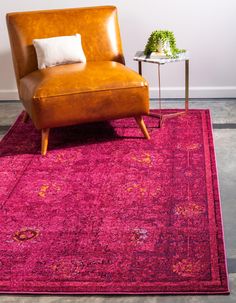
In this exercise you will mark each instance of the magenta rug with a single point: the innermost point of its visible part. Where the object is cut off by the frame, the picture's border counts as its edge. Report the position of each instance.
(107, 212)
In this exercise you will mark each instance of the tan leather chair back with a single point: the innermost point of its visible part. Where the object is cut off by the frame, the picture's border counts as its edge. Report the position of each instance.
(98, 27)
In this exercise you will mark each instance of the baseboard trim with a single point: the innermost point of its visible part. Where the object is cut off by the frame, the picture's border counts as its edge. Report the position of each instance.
(174, 92)
(195, 92)
(9, 94)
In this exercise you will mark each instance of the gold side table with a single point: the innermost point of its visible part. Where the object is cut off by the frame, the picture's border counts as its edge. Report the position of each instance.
(140, 57)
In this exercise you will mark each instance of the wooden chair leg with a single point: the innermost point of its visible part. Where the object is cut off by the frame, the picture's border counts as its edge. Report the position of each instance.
(44, 143)
(25, 117)
(142, 126)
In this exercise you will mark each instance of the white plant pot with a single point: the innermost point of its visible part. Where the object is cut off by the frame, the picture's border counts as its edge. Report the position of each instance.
(161, 47)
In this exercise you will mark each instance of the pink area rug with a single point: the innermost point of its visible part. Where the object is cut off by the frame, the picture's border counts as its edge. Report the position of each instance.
(108, 212)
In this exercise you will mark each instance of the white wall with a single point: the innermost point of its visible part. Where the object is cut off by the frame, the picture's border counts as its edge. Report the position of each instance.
(207, 28)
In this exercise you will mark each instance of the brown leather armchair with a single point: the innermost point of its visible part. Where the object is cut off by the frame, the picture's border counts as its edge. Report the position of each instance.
(101, 89)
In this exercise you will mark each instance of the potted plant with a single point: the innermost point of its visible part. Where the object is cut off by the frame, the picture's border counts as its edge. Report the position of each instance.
(163, 44)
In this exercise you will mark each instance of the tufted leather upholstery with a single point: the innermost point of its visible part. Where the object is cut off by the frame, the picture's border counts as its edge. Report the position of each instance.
(101, 89)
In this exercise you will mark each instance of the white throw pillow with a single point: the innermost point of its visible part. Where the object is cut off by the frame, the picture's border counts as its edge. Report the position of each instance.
(59, 50)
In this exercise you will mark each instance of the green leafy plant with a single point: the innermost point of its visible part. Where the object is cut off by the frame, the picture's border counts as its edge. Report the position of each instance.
(163, 37)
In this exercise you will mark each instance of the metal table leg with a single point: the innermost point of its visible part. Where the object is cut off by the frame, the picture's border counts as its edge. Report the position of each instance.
(161, 116)
(186, 85)
(140, 68)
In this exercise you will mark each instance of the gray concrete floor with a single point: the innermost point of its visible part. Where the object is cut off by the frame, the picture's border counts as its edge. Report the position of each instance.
(224, 125)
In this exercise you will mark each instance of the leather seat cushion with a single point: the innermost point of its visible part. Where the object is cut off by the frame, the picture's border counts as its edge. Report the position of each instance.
(78, 78)
(83, 92)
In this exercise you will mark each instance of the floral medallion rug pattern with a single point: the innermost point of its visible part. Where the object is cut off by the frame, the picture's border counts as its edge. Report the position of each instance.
(107, 211)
